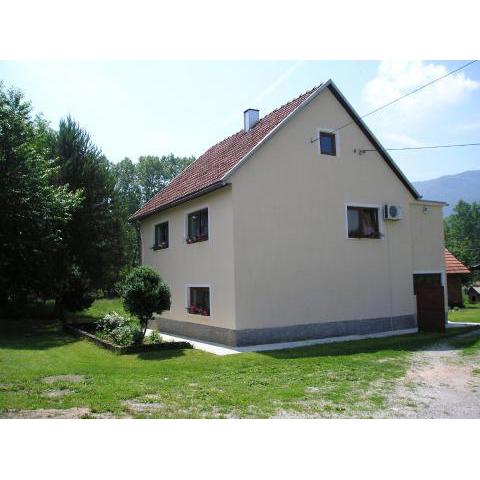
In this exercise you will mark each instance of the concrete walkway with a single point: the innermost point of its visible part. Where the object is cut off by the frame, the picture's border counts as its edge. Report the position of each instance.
(219, 349)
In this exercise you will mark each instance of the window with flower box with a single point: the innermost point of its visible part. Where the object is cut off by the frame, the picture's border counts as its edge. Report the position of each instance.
(197, 224)
(161, 236)
(199, 301)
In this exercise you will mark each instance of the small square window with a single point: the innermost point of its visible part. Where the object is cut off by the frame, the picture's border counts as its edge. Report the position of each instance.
(363, 222)
(198, 226)
(161, 236)
(199, 301)
(327, 143)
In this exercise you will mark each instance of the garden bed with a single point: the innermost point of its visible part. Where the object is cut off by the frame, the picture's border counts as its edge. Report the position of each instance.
(86, 331)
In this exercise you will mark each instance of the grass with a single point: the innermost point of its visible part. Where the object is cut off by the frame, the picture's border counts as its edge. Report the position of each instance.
(471, 313)
(348, 379)
(98, 309)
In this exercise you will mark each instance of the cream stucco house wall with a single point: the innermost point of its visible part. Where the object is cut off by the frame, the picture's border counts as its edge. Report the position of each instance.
(285, 257)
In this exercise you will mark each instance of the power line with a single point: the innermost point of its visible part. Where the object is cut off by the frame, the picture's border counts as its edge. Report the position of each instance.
(422, 148)
(410, 93)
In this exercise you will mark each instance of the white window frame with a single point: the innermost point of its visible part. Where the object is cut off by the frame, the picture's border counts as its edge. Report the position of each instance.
(185, 223)
(365, 205)
(187, 297)
(337, 142)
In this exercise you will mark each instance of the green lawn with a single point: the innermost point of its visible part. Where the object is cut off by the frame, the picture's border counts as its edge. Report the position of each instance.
(346, 379)
(98, 309)
(471, 313)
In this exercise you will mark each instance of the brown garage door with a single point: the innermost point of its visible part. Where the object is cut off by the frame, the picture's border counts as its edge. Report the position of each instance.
(428, 290)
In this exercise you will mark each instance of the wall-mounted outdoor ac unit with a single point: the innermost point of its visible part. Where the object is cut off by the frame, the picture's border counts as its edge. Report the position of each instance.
(392, 212)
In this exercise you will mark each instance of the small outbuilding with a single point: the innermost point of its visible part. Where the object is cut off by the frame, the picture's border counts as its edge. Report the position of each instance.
(474, 294)
(457, 273)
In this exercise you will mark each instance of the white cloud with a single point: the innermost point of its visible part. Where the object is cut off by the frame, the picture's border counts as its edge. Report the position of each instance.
(401, 140)
(395, 79)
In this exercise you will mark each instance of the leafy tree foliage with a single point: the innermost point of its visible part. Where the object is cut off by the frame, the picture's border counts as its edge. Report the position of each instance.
(154, 173)
(144, 293)
(462, 232)
(127, 184)
(34, 212)
(135, 184)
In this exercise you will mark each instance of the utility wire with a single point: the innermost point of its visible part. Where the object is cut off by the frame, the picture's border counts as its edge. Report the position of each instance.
(423, 148)
(410, 93)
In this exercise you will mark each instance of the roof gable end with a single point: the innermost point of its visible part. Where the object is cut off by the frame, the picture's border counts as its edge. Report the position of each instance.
(213, 168)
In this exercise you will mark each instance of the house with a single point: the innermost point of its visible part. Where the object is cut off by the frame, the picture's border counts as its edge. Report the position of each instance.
(474, 294)
(456, 274)
(298, 226)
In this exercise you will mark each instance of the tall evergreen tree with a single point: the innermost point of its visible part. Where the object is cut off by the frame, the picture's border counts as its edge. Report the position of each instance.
(93, 249)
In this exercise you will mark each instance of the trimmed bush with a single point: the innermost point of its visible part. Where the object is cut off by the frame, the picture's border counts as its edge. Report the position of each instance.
(144, 293)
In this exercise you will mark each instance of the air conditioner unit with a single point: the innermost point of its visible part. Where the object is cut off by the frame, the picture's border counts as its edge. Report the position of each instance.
(392, 212)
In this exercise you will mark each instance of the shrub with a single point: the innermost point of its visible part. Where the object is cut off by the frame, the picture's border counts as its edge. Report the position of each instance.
(154, 337)
(111, 321)
(126, 335)
(118, 329)
(144, 293)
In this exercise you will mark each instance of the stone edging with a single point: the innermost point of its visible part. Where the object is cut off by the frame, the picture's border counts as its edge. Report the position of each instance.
(127, 349)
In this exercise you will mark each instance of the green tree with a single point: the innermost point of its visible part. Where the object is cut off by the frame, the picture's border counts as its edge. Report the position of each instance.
(128, 190)
(136, 183)
(34, 212)
(127, 184)
(94, 247)
(154, 172)
(144, 293)
(462, 232)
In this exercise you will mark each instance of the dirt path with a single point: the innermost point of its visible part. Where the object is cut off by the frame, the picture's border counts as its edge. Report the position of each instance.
(441, 383)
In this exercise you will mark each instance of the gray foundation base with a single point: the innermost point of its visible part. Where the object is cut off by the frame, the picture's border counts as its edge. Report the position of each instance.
(258, 336)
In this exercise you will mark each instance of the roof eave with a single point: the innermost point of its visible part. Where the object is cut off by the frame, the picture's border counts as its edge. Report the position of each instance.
(434, 202)
(186, 198)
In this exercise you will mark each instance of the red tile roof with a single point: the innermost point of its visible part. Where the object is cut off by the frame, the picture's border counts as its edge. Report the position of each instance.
(208, 170)
(454, 266)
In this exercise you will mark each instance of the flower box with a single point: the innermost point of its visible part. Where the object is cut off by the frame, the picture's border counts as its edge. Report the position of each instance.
(193, 310)
(160, 246)
(197, 238)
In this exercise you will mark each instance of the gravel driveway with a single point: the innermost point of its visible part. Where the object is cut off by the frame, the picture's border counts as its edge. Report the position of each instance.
(441, 383)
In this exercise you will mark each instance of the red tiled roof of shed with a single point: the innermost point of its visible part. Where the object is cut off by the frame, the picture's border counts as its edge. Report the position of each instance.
(454, 266)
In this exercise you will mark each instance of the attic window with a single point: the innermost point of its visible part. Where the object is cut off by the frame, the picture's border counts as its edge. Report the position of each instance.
(327, 143)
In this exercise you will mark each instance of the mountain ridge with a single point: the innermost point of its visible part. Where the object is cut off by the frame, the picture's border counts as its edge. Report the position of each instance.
(451, 188)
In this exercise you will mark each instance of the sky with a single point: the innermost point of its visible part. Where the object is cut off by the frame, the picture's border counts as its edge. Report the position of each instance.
(133, 108)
